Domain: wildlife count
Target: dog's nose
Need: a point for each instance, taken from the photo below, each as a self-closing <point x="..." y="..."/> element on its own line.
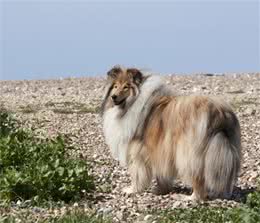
<point x="114" y="97"/>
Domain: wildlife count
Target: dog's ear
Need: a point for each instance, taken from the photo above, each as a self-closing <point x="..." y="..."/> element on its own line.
<point x="114" y="72"/>
<point x="135" y="74"/>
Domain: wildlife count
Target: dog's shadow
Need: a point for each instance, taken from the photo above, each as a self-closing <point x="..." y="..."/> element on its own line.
<point x="239" y="194"/>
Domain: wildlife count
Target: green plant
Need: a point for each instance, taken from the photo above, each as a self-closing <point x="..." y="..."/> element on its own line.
<point x="73" y="217"/>
<point x="30" y="108"/>
<point x="198" y="214"/>
<point x="79" y="217"/>
<point x="246" y="213"/>
<point x="7" y="123"/>
<point x="38" y="169"/>
<point x="250" y="212"/>
<point x="70" y="107"/>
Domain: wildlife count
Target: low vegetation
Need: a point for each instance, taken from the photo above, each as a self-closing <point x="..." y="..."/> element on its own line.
<point x="68" y="107"/>
<point x="75" y="217"/>
<point x="247" y="213"/>
<point x="41" y="170"/>
<point x="38" y="169"/>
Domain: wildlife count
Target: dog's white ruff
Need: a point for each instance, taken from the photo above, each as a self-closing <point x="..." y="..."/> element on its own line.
<point x="120" y="131"/>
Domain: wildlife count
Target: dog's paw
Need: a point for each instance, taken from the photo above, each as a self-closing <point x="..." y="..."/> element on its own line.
<point x="180" y="197"/>
<point x="193" y="198"/>
<point x="128" y="190"/>
<point x="185" y="198"/>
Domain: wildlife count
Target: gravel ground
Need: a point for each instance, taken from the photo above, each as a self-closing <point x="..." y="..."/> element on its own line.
<point x="71" y="106"/>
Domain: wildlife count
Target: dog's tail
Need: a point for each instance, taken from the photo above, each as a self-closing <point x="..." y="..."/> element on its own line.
<point x="222" y="162"/>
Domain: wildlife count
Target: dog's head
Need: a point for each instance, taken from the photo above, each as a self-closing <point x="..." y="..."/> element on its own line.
<point x="124" y="85"/>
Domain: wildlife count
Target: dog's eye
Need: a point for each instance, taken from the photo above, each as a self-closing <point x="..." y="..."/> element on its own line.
<point x="125" y="88"/>
<point x="115" y="86"/>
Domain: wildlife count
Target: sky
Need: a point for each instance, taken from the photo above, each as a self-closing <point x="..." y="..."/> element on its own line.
<point x="42" y="39"/>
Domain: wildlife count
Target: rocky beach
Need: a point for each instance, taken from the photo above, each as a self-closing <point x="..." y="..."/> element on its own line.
<point x="71" y="106"/>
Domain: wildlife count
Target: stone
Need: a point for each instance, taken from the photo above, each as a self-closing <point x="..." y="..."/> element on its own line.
<point x="148" y="217"/>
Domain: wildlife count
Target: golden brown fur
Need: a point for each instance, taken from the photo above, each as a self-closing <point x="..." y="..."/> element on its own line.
<point x="194" y="138"/>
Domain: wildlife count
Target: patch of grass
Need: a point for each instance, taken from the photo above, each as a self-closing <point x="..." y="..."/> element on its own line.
<point x="68" y="107"/>
<point x="245" y="102"/>
<point x="63" y="110"/>
<point x="199" y="214"/>
<point x="89" y="109"/>
<point x="79" y="217"/>
<point x="240" y="91"/>
<point x="38" y="169"/>
<point x="7" y="123"/>
<point x="74" y="217"/>
<point x="28" y="109"/>
<point x="248" y="212"/>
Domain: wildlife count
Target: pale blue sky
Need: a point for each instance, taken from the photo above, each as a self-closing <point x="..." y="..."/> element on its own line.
<point x="50" y="39"/>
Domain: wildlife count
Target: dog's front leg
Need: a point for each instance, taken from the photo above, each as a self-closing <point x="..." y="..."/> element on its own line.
<point x="140" y="176"/>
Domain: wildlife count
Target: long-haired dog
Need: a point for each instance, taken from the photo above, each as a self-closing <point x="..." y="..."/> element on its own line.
<point x="158" y="134"/>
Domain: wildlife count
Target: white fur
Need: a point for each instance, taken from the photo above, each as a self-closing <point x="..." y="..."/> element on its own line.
<point x="119" y="131"/>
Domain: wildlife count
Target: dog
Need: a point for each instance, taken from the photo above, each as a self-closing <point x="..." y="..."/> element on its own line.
<point x="160" y="135"/>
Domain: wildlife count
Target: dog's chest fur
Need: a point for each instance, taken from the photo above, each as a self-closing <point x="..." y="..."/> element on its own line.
<point x="119" y="131"/>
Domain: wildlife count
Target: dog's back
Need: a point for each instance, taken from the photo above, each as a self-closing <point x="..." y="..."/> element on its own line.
<point x="199" y="140"/>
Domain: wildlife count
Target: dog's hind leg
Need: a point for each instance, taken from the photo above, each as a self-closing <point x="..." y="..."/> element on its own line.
<point x="141" y="176"/>
<point x="199" y="190"/>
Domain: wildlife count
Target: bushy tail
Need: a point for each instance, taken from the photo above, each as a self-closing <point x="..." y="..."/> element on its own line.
<point x="222" y="163"/>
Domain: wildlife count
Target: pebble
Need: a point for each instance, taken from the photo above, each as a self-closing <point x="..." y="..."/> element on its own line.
<point x="120" y="215"/>
<point x="177" y="204"/>
<point x="148" y="217"/>
<point x="75" y="204"/>
<point x="37" y="209"/>
<point x="107" y="210"/>
<point x="250" y="111"/>
<point x="253" y="176"/>
<point x="19" y="202"/>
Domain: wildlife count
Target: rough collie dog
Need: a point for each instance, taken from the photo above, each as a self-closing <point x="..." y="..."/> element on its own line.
<point x="158" y="134"/>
